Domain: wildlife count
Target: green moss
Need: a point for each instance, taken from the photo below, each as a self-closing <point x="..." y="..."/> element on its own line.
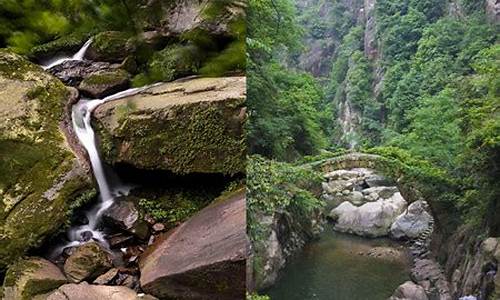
<point x="171" y="63"/>
<point x="35" y="184"/>
<point x="19" y="273"/>
<point x="68" y="43"/>
<point x="111" y="45"/>
<point x="12" y="66"/>
<point x="198" y="139"/>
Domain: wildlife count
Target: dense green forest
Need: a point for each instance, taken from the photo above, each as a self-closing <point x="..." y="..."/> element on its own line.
<point x="429" y="89"/>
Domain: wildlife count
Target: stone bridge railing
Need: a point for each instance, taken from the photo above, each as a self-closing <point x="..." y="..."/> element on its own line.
<point x="348" y="161"/>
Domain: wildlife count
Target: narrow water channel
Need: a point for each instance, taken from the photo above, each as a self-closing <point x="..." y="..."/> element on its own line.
<point x="339" y="267"/>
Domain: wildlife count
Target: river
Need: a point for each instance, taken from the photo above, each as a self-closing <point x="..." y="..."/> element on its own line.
<point x="332" y="268"/>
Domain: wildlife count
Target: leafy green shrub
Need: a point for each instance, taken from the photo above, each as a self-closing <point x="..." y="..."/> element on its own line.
<point x="274" y="186"/>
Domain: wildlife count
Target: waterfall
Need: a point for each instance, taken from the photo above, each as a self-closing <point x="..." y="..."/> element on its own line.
<point x="59" y="60"/>
<point x="108" y="191"/>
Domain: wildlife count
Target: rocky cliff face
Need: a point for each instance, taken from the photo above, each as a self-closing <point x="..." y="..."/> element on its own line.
<point x="41" y="179"/>
<point x="493" y="10"/>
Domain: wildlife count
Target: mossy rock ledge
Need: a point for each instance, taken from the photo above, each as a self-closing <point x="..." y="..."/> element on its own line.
<point x="188" y="126"/>
<point x="40" y="177"/>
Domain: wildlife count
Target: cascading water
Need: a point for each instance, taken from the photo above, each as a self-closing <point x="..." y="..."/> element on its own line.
<point x="77" y="56"/>
<point x="81" y="116"/>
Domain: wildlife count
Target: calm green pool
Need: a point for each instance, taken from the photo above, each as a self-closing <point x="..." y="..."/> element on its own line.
<point x="332" y="268"/>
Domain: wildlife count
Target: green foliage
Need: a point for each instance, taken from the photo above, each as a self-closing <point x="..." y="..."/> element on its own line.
<point x="436" y="141"/>
<point x="172" y="212"/>
<point x="170" y="63"/>
<point x="288" y="114"/>
<point x="257" y="297"/>
<point x="274" y="186"/>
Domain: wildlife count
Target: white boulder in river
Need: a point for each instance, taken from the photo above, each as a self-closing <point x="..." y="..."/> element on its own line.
<point x="413" y="222"/>
<point x="372" y="219"/>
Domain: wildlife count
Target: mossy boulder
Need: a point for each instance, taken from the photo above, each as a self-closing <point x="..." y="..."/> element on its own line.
<point x="105" y="83"/>
<point x="41" y="177"/>
<point x="31" y="276"/>
<point x="88" y="261"/>
<point x="110" y="46"/>
<point x="68" y="44"/>
<point x="188" y="126"/>
<point x="173" y="62"/>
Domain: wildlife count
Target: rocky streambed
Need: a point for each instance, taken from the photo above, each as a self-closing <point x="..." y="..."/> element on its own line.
<point x="173" y="156"/>
<point x="377" y="244"/>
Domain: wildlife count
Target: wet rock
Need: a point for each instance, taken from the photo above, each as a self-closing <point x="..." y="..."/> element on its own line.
<point x="193" y="125"/>
<point x="107" y="277"/>
<point x="371" y="219"/>
<point x="124" y="215"/>
<point x="88" y="261"/>
<point x="72" y="72"/>
<point x="381" y="191"/>
<point x="119" y="239"/>
<point x="412" y="222"/>
<point x="86" y="236"/>
<point x="409" y="291"/>
<point x="85" y="291"/>
<point x="33" y="105"/>
<point x="104" y="83"/>
<point x="68" y="251"/>
<point x="375" y="180"/>
<point x="202" y="258"/>
<point x="31" y="276"/>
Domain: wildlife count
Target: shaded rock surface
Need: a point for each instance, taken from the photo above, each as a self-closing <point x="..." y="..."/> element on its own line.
<point x="412" y="222"/>
<point x="123" y="214"/>
<point x="472" y="265"/>
<point x="191" y="125"/>
<point x="104" y="83"/>
<point x="40" y="175"/>
<point x="204" y="258"/>
<point x="31" y="276"/>
<point x="284" y="234"/>
<point x="72" y="72"/>
<point x="87" y="262"/>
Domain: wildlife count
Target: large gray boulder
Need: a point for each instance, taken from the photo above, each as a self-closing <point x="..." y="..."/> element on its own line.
<point x="412" y="222"/>
<point x="372" y="219"/>
<point x="204" y="258"/>
<point x="188" y="126"/>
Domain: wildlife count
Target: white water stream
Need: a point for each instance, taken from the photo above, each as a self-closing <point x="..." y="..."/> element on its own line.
<point x="59" y="60"/>
<point x="81" y="117"/>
